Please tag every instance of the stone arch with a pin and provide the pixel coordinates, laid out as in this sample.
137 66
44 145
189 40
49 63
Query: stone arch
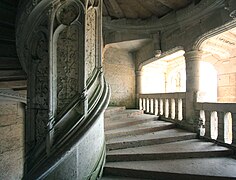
197 44
156 72
218 48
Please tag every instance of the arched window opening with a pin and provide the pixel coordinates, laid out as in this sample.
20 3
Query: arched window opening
156 107
166 74
151 108
203 119
161 107
228 132
180 109
172 108
148 105
166 108
217 72
144 104
214 125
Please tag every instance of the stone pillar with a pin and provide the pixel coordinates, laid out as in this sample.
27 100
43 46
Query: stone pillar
192 59
138 86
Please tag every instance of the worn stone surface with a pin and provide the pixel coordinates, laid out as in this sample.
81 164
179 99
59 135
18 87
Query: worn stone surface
11 140
119 71
81 161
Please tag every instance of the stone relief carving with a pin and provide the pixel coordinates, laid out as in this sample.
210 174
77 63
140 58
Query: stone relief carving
67 66
68 13
40 92
90 40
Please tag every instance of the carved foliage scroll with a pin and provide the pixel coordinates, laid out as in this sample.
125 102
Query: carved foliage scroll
67 66
40 95
90 54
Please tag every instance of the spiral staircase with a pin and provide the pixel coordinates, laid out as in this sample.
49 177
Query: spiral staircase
141 146
66 140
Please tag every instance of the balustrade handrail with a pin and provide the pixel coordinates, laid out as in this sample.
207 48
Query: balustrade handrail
163 95
221 107
218 121
170 106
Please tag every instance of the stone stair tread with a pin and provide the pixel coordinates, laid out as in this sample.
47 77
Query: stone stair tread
216 167
126 113
154 135
193 145
115 108
129 122
150 124
129 119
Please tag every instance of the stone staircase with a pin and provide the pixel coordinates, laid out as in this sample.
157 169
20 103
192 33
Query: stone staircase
139 146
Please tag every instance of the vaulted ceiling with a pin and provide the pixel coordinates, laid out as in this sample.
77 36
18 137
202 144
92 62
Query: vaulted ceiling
141 8
11 73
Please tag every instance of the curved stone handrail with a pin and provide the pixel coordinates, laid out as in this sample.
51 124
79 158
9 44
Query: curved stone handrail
65 142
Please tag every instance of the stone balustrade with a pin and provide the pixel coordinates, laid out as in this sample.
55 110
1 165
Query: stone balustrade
219 121
170 106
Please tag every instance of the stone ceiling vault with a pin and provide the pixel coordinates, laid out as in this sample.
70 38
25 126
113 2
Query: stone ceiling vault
142 9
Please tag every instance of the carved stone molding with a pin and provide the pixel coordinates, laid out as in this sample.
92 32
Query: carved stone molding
164 54
214 32
12 96
93 3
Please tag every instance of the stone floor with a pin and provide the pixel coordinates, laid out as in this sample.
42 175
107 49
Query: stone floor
139 146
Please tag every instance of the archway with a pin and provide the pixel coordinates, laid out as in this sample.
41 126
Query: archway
165 74
220 52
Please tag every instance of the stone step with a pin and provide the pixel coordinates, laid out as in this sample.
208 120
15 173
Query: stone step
160 137
113 110
123 114
176 150
143 118
193 168
143 128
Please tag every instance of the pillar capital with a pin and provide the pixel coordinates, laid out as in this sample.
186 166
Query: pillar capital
194 55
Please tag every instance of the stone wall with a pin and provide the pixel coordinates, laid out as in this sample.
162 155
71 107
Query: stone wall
119 68
144 53
226 80
11 140
227 88
82 159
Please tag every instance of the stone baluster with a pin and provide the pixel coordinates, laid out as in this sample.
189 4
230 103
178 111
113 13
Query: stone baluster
208 124
220 126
